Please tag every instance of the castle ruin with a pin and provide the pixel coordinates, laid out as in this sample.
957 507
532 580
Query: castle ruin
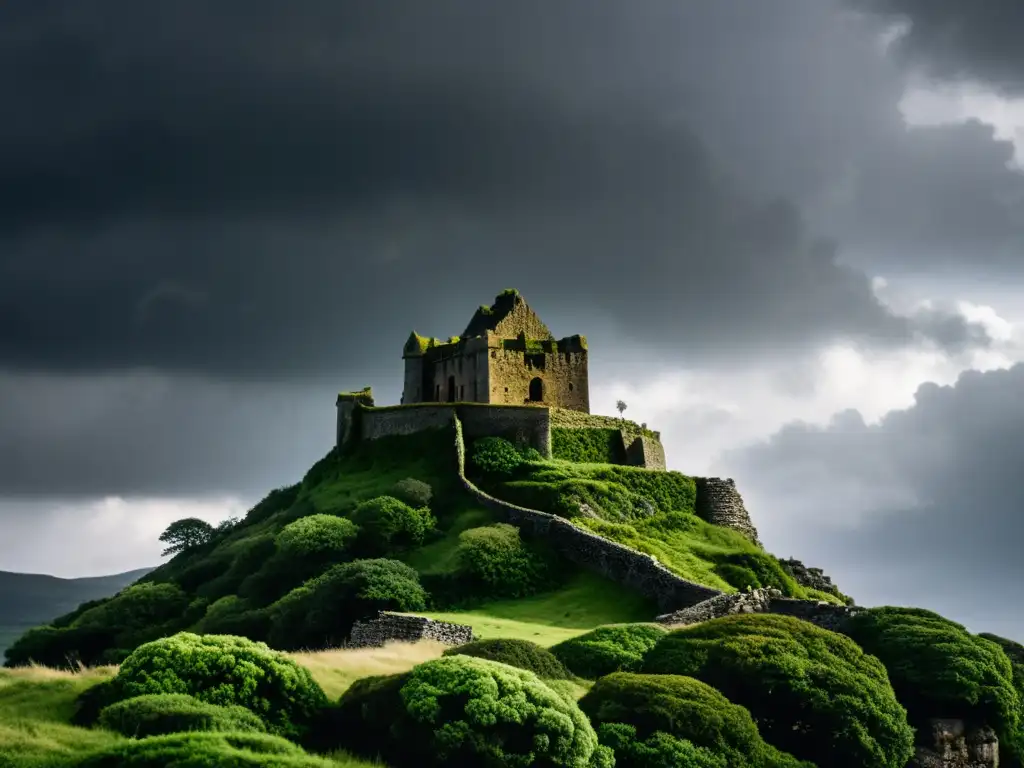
506 356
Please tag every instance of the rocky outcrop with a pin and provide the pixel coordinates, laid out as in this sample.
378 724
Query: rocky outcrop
949 743
810 578
403 627
755 601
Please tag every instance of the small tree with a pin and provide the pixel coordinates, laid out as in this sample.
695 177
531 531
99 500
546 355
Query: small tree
620 406
185 534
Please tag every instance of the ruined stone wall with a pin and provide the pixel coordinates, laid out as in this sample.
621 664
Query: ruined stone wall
403 627
563 375
768 600
646 452
403 420
523 425
524 320
720 503
616 562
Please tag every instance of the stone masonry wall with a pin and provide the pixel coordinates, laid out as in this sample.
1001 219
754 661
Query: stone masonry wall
768 600
403 627
646 452
616 562
720 503
526 424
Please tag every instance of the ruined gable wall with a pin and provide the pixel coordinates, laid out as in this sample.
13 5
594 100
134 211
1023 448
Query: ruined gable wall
522 319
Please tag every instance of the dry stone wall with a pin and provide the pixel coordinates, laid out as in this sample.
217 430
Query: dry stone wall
404 627
720 503
617 562
811 578
825 615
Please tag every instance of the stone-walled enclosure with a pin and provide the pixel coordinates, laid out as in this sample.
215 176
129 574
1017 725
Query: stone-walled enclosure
402 627
359 419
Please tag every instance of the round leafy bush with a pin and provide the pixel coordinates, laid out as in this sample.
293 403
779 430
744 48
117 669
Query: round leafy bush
413 492
813 693
386 523
659 750
516 653
495 557
663 712
605 650
320 613
1011 745
225 670
316 536
936 665
202 750
495 456
460 710
160 713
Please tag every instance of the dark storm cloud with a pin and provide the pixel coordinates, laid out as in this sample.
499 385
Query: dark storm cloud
959 40
923 506
153 436
255 189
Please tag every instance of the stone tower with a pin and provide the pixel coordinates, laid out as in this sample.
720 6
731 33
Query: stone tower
505 356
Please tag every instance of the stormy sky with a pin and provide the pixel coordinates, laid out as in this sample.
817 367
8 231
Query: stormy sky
792 232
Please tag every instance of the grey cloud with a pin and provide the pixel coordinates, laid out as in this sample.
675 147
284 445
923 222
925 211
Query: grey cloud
146 435
341 171
957 40
922 507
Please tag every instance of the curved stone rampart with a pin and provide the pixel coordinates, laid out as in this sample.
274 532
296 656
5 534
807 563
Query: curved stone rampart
612 560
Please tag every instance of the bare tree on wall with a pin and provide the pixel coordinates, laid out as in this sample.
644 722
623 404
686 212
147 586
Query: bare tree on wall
621 406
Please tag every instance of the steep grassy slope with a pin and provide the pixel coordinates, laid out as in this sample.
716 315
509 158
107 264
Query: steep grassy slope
246 582
29 599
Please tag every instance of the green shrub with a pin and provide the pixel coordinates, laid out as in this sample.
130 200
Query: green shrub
61 648
203 750
460 710
320 613
659 750
1011 745
413 492
813 693
162 713
276 501
516 653
316 536
937 666
387 524
495 558
684 709
248 557
225 670
586 446
495 456
756 570
608 649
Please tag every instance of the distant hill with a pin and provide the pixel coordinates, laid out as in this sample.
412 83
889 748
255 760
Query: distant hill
30 599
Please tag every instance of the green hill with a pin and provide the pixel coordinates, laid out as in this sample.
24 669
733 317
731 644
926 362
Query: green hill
28 599
418 524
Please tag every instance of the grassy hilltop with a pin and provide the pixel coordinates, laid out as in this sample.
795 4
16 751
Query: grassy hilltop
228 653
